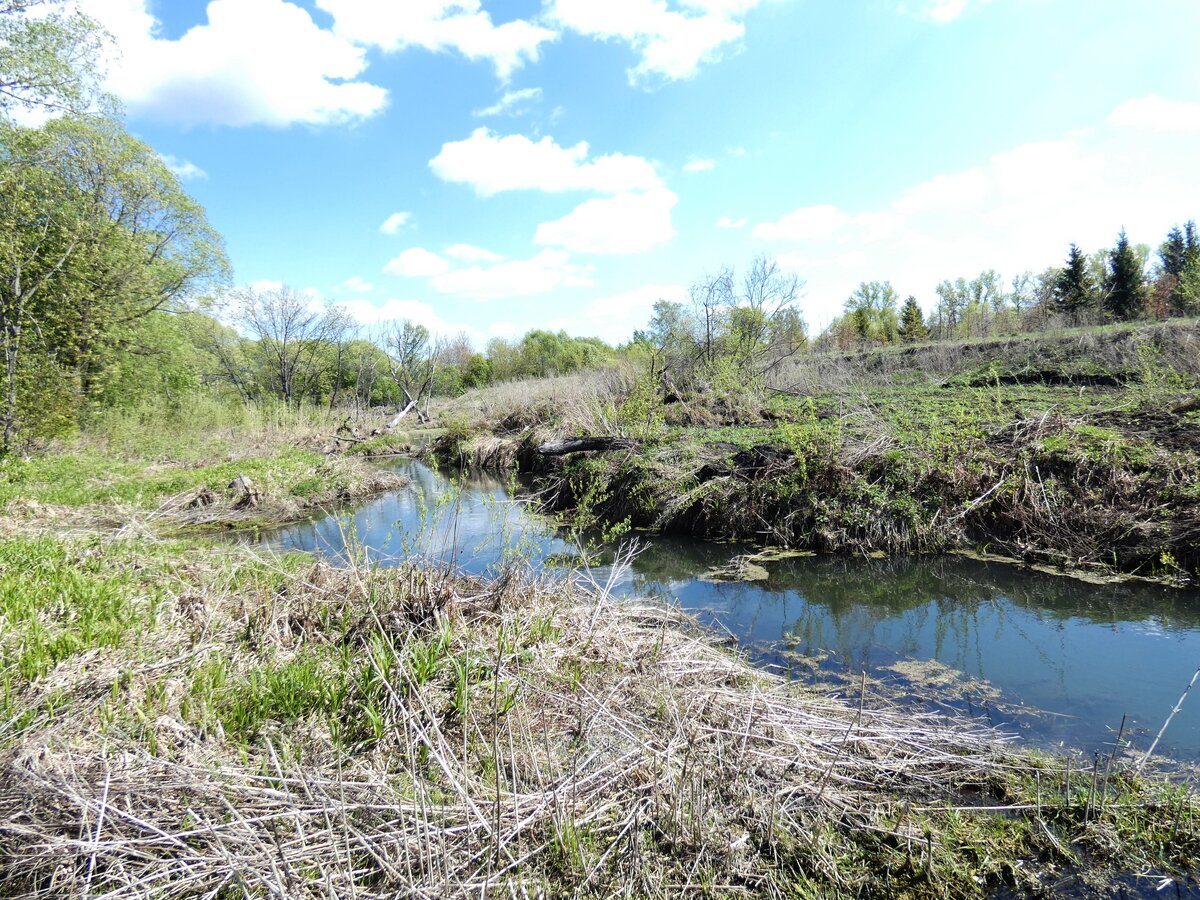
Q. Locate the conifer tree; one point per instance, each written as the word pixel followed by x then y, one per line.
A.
pixel 912 322
pixel 1074 292
pixel 1124 281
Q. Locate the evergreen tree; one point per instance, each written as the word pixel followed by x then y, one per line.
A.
pixel 1123 287
pixel 912 322
pixel 1179 270
pixel 1074 292
pixel 1173 253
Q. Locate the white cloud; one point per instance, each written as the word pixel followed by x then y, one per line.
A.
pixel 182 169
pixel 417 262
pixel 395 309
pixel 356 285
pixel 963 190
pixel 512 103
pixel 700 165
pixel 545 272
pixel 626 223
pixel 614 318
pixel 941 11
pixel 253 62
pixel 1154 113
pixel 492 164
pixel 727 222
pixel 439 25
pixel 634 216
pixel 1015 211
pixel 807 224
pixel 393 223
pixel 673 37
pixel 471 253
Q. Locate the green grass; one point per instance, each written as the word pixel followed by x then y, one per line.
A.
pixel 93 478
pixel 54 606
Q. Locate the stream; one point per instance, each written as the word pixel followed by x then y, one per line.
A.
pixel 1056 661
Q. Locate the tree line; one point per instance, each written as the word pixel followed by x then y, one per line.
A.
pixel 115 290
pixel 1121 284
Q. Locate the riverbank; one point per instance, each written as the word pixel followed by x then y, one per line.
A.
pixel 217 469
pixel 1079 452
pixel 182 718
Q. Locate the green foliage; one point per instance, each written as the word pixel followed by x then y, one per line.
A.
pixel 1124 281
pixel 871 314
pixel 640 414
pixel 539 354
pixel 813 441
pixel 912 322
pixel 47 58
pixel 1074 292
pixel 95 235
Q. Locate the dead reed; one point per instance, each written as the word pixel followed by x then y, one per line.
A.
pixel 510 737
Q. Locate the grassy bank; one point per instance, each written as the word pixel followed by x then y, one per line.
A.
pixel 1079 451
pixel 180 720
pixel 212 466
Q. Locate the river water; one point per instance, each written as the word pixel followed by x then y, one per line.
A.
pixel 1056 661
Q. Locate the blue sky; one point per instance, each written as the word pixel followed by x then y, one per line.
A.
pixel 498 166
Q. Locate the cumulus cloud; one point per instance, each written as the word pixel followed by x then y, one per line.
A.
pixel 626 223
pixel 460 26
pixel 183 169
pixel 1154 113
pixel 417 262
pixel 395 309
pixel 700 165
pixel 727 222
pixel 393 223
pixel 633 215
pixel 1015 211
pixel 545 272
pixel 809 223
pixel 492 163
pixel 511 103
pixel 673 37
pixel 254 62
pixel 479 274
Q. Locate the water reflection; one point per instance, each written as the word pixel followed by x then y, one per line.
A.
pixel 1083 655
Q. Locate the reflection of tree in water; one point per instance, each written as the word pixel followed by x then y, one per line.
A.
pixel 892 586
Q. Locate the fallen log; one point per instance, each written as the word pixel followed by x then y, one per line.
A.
pixel 586 445
pixel 400 415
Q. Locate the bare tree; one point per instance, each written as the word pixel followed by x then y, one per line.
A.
pixel 413 360
pixel 340 331
pixel 289 332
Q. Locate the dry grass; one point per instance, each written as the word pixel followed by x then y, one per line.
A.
pixel 511 407
pixel 514 737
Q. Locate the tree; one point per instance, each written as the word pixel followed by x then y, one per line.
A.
pixel 95 235
pixel 290 334
pixel 413 362
pixel 872 311
pixel 48 60
pixel 1074 293
pixel 912 322
pixel 953 297
pixel 1124 281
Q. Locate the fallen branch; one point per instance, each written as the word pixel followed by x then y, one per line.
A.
pixel 586 445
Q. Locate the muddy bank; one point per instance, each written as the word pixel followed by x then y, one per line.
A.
pixel 1104 500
